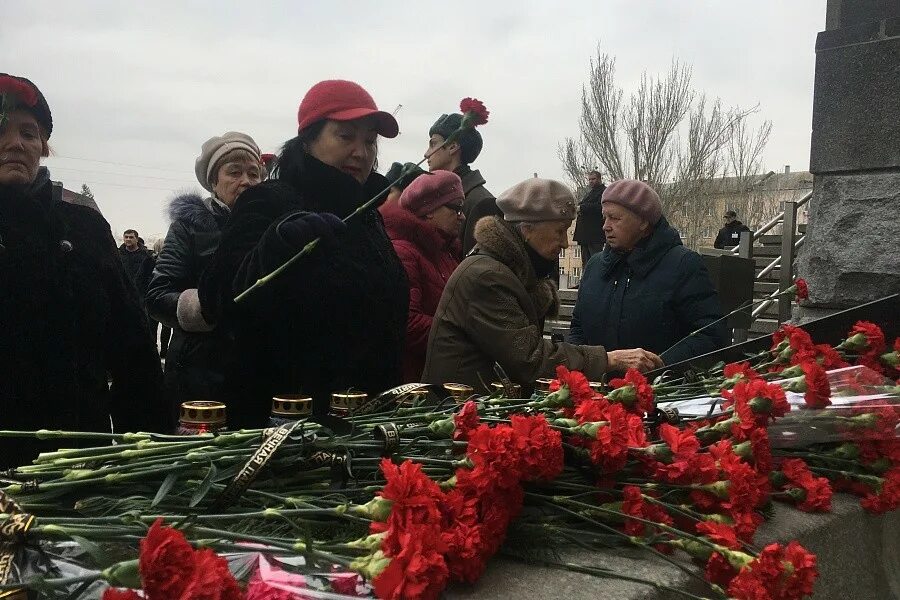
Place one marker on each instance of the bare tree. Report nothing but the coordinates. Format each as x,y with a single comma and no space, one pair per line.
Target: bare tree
744,169
665,133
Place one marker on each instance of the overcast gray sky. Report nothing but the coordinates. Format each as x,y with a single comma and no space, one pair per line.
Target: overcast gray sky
140,86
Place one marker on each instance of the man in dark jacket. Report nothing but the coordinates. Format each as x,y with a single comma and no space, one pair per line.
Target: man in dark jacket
589,226
730,235
137,260
646,290
70,319
457,157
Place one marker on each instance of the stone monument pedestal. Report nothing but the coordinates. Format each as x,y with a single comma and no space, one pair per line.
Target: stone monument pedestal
850,255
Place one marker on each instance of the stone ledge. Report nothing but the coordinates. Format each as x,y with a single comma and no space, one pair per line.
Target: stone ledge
858,554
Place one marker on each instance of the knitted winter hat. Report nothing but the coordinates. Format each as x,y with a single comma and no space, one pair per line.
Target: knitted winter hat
341,100
397,168
636,196
20,93
431,191
470,142
215,148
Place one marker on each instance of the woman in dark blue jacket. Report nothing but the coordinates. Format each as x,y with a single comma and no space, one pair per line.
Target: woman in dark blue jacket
646,290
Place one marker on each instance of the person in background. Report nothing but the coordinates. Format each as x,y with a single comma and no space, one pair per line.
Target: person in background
199,351
336,318
730,235
75,353
392,174
165,332
589,225
424,228
646,290
268,161
138,261
494,305
457,157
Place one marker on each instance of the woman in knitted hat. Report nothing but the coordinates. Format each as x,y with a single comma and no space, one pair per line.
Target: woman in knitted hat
647,289
424,228
68,314
494,306
336,319
199,352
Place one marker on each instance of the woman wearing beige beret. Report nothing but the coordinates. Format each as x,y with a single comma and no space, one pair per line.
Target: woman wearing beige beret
494,306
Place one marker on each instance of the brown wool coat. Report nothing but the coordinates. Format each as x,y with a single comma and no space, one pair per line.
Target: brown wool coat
493,310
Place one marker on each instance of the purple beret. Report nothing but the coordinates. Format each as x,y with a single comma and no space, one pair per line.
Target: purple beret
429,192
636,196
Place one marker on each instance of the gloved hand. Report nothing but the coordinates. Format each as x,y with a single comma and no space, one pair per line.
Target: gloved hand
300,228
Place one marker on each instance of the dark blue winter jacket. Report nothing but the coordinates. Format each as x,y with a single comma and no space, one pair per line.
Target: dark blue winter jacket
649,298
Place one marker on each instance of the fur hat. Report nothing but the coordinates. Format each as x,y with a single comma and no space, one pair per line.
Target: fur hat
536,199
431,191
397,168
21,93
215,148
636,196
469,140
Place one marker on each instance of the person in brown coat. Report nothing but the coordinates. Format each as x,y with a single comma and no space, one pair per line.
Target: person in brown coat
494,305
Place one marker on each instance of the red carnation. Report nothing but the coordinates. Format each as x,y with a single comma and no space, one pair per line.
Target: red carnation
790,340
738,371
865,337
579,387
829,358
166,562
802,289
634,392
767,400
496,447
465,421
414,501
540,447
784,573
211,579
418,570
24,93
634,505
719,533
479,113
813,493
888,498
719,571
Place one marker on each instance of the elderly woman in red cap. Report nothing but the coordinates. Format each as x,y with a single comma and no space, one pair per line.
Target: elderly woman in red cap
646,289
69,316
336,318
424,227
494,306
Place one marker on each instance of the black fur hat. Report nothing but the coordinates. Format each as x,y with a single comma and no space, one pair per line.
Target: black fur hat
25,96
395,170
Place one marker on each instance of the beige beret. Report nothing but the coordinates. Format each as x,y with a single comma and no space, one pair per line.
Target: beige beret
536,200
215,148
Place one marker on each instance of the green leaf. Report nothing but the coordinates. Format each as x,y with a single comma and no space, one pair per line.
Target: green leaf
164,488
203,489
102,559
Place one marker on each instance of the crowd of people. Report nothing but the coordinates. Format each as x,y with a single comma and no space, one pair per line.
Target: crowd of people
439,283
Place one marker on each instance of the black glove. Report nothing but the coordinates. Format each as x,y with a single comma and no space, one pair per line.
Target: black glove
300,228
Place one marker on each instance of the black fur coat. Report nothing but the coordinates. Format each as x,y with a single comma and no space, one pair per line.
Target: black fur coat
69,322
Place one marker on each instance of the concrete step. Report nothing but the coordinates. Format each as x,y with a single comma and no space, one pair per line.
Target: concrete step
764,326
762,288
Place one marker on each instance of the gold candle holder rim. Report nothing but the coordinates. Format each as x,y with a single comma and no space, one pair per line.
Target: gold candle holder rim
205,411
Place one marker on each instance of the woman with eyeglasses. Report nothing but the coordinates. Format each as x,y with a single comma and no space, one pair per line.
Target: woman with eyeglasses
424,227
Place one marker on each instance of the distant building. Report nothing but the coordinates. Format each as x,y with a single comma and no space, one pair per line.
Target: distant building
76,198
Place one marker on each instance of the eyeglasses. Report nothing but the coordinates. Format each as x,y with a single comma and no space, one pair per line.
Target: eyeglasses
457,208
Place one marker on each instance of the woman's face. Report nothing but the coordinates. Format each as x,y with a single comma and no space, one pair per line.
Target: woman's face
350,146
448,217
234,177
548,237
21,148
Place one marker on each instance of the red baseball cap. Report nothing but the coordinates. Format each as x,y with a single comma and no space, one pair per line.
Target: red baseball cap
341,100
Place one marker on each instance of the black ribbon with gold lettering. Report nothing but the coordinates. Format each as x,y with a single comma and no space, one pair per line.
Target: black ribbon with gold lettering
13,530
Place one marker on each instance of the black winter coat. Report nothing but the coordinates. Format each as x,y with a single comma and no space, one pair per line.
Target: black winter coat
333,321
649,298
196,359
589,225
479,203
69,320
730,235
139,267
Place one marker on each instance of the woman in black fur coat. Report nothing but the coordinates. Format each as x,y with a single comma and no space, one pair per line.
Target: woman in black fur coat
336,319
198,353
69,317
